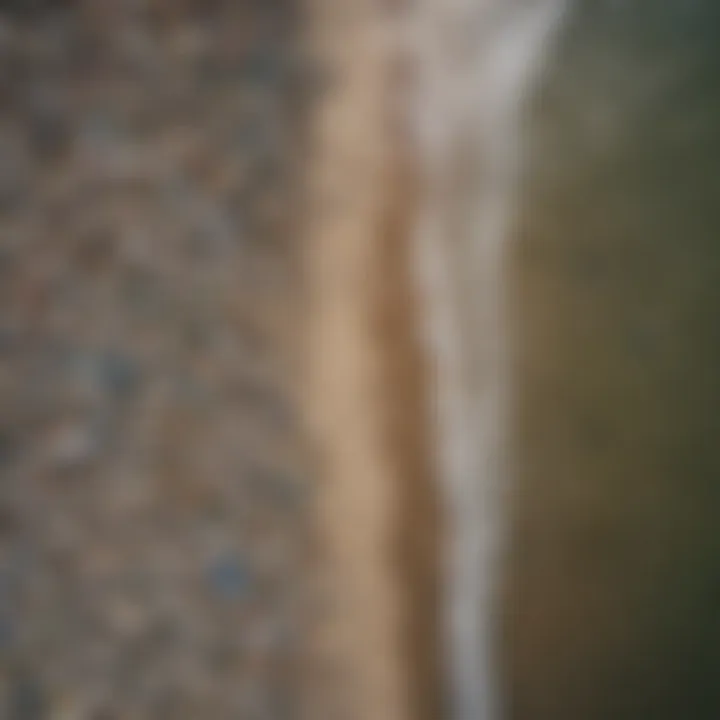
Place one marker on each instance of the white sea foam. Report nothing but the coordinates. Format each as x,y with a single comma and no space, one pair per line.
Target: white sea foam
477,61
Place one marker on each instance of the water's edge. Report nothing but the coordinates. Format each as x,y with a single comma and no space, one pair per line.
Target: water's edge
475,68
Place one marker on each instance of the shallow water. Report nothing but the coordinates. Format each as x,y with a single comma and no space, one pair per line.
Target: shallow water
566,246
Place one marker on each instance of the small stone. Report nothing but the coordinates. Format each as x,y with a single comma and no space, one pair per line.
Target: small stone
14,174
8,453
71,445
9,340
26,700
119,373
7,634
229,577
71,708
47,124
127,618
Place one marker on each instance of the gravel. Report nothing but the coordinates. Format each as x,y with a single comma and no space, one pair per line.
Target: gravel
152,523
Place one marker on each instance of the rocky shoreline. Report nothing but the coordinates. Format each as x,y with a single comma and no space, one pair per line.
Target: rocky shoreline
152,502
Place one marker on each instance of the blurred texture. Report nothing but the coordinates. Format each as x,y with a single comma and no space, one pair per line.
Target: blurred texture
252,450
152,491
615,560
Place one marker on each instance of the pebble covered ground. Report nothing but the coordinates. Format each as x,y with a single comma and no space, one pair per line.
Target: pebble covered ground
152,498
